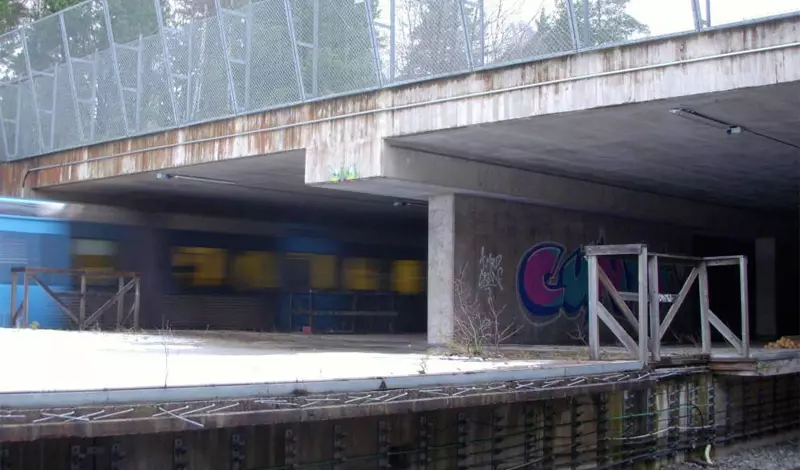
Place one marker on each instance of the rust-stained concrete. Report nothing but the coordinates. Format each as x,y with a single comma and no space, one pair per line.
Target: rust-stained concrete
339,132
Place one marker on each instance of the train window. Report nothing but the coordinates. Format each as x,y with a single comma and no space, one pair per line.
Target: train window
200,266
311,271
408,276
361,274
323,272
254,270
95,255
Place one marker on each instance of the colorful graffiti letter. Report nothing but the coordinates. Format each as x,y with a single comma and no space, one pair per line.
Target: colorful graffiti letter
549,284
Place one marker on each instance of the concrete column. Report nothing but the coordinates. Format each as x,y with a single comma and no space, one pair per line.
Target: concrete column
766,320
441,268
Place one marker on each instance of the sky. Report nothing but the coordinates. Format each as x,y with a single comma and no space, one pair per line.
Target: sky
665,16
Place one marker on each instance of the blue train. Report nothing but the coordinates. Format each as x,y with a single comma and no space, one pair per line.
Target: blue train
243,275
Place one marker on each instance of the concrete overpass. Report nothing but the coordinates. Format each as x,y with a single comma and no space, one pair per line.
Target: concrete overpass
657,141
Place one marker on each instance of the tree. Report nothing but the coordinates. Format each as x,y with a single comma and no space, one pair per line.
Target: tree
598,22
12,13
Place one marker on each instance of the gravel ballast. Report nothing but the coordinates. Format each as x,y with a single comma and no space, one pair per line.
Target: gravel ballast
784,456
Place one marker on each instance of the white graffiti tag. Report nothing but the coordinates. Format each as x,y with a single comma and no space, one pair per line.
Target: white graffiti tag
491,271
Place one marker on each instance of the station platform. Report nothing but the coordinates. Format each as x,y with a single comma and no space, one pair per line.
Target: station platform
67,368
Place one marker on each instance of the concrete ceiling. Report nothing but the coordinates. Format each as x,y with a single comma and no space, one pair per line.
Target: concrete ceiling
644,146
261,187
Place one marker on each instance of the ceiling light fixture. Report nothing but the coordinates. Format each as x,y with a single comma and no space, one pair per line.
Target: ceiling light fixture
198,179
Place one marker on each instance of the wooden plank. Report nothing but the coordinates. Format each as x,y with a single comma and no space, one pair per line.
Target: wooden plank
705,328
644,312
726,332
97,313
55,298
620,303
618,330
655,308
594,306
611,250
744,306
673,309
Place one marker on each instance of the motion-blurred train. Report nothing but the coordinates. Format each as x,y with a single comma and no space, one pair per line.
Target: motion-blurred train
243,275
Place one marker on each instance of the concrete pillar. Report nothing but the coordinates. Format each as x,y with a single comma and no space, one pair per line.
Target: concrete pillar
766,320
441,268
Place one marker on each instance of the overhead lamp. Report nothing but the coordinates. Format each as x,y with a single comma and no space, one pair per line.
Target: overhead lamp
408,204
198,179
693,115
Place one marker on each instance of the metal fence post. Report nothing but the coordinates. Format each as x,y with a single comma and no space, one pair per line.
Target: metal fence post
696,14
593,297
223,37
573,24
655,309
705,327
115,64
465,27
167,65
376,53
392,40
293,37
33,87
70,71
744,297
644,343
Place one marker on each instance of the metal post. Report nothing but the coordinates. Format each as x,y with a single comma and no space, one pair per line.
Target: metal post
643,310
697,15
482,29
120,300
93,125
708,13
315,52
189,68
587,27
573,24
297,69
139,82
744,296
13,317
115,64
655,309
167,65
33,87
705,327
73,88
82,313
19,113
465,27
223,37
25,299
593,297
392,40
376,53
248,54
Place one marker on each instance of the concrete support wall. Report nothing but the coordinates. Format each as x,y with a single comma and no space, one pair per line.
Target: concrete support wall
654,423
527,258
766,320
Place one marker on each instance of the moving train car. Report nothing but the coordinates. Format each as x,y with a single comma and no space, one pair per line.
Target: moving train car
243,275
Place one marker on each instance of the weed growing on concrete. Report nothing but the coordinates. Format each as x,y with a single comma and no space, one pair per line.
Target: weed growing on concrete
479,326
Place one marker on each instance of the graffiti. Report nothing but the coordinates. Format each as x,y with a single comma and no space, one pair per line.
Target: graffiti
553,281
490,273
344,174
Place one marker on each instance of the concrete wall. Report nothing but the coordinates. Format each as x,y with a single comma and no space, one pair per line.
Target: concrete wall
507,249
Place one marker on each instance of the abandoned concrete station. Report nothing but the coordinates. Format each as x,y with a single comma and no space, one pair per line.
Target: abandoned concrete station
408,234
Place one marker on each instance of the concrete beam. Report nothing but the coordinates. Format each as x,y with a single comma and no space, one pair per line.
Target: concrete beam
408,173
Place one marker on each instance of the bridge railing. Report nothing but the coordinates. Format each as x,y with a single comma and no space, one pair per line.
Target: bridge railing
107,69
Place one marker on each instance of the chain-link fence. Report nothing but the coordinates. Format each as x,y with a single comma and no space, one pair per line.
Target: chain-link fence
107,69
